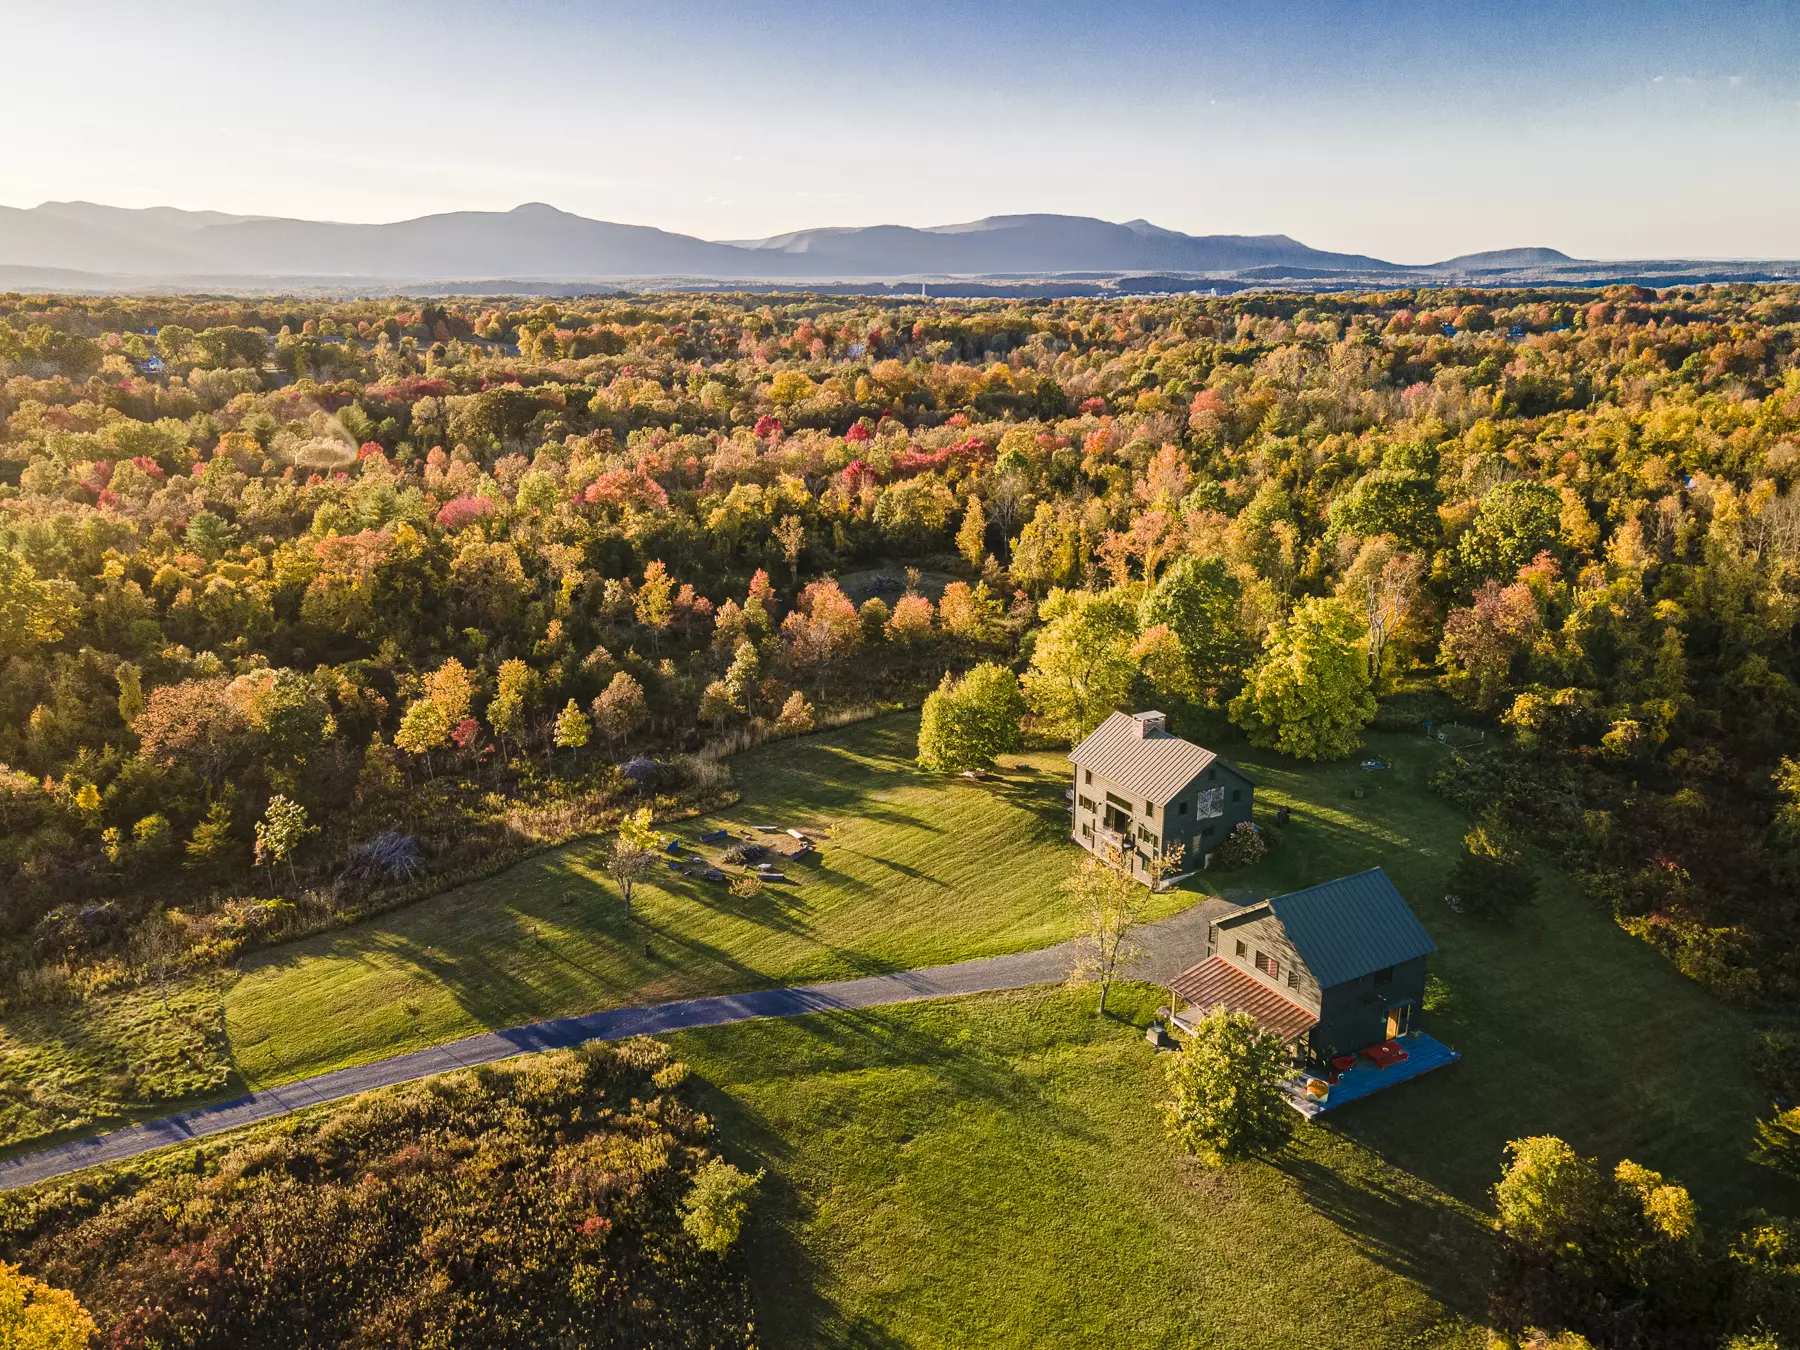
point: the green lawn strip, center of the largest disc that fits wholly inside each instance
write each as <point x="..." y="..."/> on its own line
<point x="993" y="1171"/>
<point x="912" y="871"/>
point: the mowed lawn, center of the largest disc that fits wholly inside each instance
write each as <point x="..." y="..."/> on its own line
<point x="912" y="870"/>
<point x="992" y="1171"/>
<point x="1567" y="1024"/>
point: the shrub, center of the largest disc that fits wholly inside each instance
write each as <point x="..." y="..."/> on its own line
<point x="534" y="1204"/>
<point x="1409" y="711"/>
<point x="714" y="1209"/>
<point x="1246" y="844"/>
<point x="653" y="775"/>
<point x="35" y="1316"/>
<point x="1492" y="876"/>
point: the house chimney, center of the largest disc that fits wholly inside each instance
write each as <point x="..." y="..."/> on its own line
<point x="1149" y="724"/>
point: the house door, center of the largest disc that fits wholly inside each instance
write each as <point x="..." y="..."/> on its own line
<point x="1399" y="1021"/>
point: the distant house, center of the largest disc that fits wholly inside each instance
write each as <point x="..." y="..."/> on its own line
<point x="1140" y="791"/>
<point x="1332" y="969"/>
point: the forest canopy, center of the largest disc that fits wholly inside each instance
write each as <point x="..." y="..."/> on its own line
<point x="307" y="605"/>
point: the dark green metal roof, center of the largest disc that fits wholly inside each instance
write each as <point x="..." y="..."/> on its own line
<point x="1352" y="927"/>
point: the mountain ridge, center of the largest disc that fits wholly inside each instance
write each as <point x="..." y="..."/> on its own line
<point x="536" y="239"/>
<point x="537" y="244"/>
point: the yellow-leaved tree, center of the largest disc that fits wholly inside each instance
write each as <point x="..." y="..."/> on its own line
<point x="38" y="1316"/>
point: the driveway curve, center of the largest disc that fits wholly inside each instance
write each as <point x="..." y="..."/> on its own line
<point x="1165" y="949"/>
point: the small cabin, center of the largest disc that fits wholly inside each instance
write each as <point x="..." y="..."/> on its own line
<point x="1140" y="791"/>
<point x="1332" y="969"/>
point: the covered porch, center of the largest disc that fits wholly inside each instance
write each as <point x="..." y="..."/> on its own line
<point x="1216" y="983"/>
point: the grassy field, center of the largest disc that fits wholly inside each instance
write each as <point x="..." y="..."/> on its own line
<point x="1568" y="1025"/>
<point x="992" y="1171"/>
<point x="912" y="871"/>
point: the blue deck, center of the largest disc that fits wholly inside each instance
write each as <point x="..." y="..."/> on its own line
<point x="1423" y="1055"/>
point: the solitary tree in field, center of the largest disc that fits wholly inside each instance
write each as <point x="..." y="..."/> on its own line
<point x="1108" y="905"/>
<point x="633" y="855"/>
<point x="713" y="1210"/>
<point x="967" y="723"/>
<point x="1225" y="1099"/>
<point x="1492" y="876"/>
<point x="571" y="728"/>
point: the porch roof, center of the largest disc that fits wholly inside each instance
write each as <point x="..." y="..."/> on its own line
<point x="1215" y="983"/>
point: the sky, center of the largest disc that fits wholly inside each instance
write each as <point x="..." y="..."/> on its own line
<point x="1412" y="130"/>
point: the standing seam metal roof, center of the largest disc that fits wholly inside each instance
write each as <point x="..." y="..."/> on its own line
<point x="1352" y="927"/>
<point x="1215" y="983"/>
<point x="1154" y="767"/>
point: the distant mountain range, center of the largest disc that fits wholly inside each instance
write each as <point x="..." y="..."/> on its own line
<point x="83" y="246"/>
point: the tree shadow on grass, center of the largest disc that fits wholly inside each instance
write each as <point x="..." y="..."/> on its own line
<point x="786" y="1279"/>
<point x="790" y="1282"/>
<point x="1439" y="1245"/>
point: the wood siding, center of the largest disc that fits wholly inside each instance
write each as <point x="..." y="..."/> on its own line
<point x="1261" y="931"/>
<point x="1353" y="1015"/>
<point x="1157" y="826"/>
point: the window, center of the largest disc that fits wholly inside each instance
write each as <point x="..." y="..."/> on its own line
<point x="1237" y="794"/>
<point x="1293" y="978"/>
<point x="1087" y="803"/>
<point x="1240" y="950"/>
<point x="1087" y="831"/>
<point x="1212" y="775"/>
<point x="1087" y="775"/>
<point x="1210" y="803"/>
<point x="1384" y="977"/>
<point x="1183" y="810"/>
<point x="1268" y="965"/>
<point x="1145" y="835"/>
<point x="1150" y="809"/>
<point x="1119" y="802"/>
<point x="1207" y="833"/>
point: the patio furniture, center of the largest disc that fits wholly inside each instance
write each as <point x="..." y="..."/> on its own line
<point x="1344" y="1063"/>
<point x="673" y="846"/>
<point x="714" y="836"/>
<point x="1386" y="1054"/>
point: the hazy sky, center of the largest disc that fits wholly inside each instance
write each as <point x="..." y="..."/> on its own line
<point x="1412" y="131"/>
